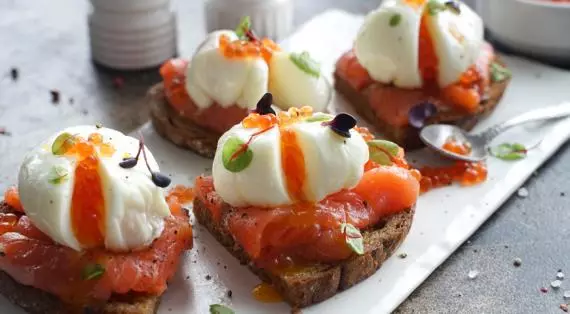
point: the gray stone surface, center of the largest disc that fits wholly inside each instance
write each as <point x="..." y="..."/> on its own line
<point x="47" y="41"/>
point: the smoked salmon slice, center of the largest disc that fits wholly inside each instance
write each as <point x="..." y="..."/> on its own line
<point x="215" y="118"/>
<point x="311" y="232"/>
<point x="88" y="277"/>
<point x="392" y="104"/>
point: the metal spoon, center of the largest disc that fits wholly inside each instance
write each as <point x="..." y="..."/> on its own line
<point x="436" y="135"/>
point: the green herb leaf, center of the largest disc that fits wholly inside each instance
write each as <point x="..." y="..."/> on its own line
<point x="220" y="309"/>
<point x="58" y="174"/>
<point x="381" y="151"/>
<point x="499" y="73"/>
<point x="62" y="143"/>
<point x="319" y="117"/>
<point x="353" y="237"/>
<point x="236" y="156"/>
<point x="508" y="151"/>
<point x="92" y="271"/>
<point x="242" y="28"/>
<point x="304" y="62"/>
<point x="395" y="19"/>
<point x="434" y="7"/>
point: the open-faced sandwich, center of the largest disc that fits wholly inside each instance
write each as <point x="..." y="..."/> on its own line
<point x="88" y="229"/>
<point x="201" y="98"/>
<point x="416" y="62"/>
<point x="312" y="204"/>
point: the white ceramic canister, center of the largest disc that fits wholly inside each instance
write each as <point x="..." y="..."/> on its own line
<point x="270" y="18"/>
<point x="132" y="34"/>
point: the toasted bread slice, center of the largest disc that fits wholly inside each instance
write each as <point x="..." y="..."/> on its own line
<point x="36" y="301"/>
<point x="408" y="136"/>
<point x="320" y="282"/>
<point x="177" y="129"/>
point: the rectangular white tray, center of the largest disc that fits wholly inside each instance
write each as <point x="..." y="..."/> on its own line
<point x="445" y="218"/>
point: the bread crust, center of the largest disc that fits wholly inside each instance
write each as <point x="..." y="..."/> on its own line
<point x="36" y="301"/>
<point x="408" y="136"/>
<point x="320" y="282"/>
<point x="178" y="129"/>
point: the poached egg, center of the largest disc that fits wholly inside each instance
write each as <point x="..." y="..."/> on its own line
<point x="85" y="199"/>
<point x="387" y="45"/>
<point x="301" y="161"/>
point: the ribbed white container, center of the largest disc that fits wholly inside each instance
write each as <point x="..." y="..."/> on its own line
<point x="270" y="18"/>
<point x="132" y="34"/>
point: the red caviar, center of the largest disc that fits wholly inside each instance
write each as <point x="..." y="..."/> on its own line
<point x="457" y="147"/>
<point x="177" y="197"/>
<point x="12" y="198"/>
<point x="464" y="173"/>
<point x="247" y="48"/>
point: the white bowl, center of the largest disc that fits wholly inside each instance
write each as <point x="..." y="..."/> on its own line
<point x="129" y="22"/>
<point x="128" y="5"/>
<point x="539" y="28"/>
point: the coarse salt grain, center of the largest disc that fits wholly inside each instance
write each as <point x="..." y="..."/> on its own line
<point x="566" y="295"/>
<point x="473" y="274"/>
<point x="560" y="275"/>
<point x="522" y="192"/>
<point x="556" y="284"/>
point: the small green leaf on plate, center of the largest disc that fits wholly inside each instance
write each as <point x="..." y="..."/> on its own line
<point x="434" y="7"/>
<point x="304" y="62"/>
<point x="58" y="174"/>
<point x="220" y="309"/>
<point x="319" y="117"/>
<point x="353" y="237"/>
<point x="395" y="19"/>
<point x="499" y="73"/>
<point x="509" y="151"/>
<point x="62" y="143"/>
<point x="236" y="155"/>
<point x="381" y="151"/>
<point x="242" y="28"/>
<point x="92" y="271"/>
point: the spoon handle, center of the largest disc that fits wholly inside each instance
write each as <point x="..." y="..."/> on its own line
<point x="547" y="113"/>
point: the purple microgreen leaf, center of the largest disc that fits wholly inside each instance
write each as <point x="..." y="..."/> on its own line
<point x="418" y="114"/>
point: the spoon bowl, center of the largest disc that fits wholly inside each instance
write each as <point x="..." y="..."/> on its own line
<point x="435" y="135"/>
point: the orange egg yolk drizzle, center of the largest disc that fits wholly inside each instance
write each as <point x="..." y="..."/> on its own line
<point x="292" y="159"/>
<point x="87" y="200"/>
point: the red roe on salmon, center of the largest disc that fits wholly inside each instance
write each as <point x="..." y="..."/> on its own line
<point x="216" y="118"/>
<point x="12" y="198"/>
<point x="32" y="258"/>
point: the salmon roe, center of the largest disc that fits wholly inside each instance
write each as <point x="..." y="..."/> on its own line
<point x="177" y="197"/>
<point x="457" y="147"/>
<point x="12" y="198"/>
<point x="464" y="173"/>
<point x="83" y="148"/>
<point x="283" y="118"/>
<point x="247" y="48"/>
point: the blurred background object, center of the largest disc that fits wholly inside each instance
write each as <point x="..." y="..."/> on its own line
<point x="535" y="28"/>
<point x="132" y="34"/>
<point x="270" y="18"/>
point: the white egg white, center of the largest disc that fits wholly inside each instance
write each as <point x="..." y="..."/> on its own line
<point x="293" y="87"/>
<point x="211" y="77"/>
<point x="332" y="163"/>
<point x="135" y="207"/>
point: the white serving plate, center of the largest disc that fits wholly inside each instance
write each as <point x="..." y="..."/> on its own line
<point x="445" y="218"/>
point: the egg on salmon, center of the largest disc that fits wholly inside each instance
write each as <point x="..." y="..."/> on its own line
<point x="212" y="77"/>
<point x="302" y="161"/>
<point x="85" y="199"/>
<point x="391" y="41"/>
